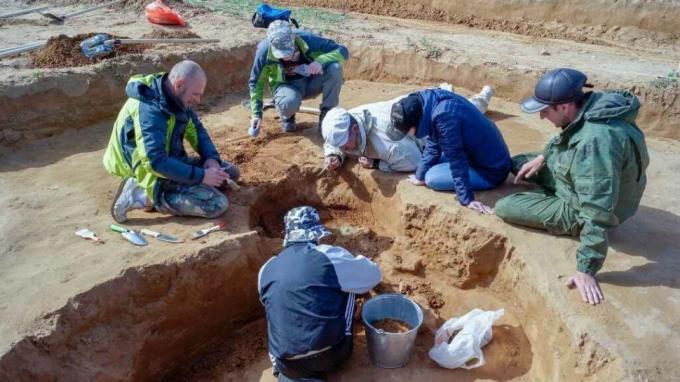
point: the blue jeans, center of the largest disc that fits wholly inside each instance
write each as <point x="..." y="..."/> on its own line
<point x="439" y="178"/>
<point x="288" y="96"/>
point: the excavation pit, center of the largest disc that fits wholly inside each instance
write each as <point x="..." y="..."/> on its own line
<point x="191" y="311"/>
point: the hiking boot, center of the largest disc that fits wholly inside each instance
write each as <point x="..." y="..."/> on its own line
<point x="124" y="200"/>
<point x="288" y="125"/>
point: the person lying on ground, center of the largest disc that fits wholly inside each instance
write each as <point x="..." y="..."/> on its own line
<point x="362" y="132"/>
<point x="592" y="175"/>
<point x="464" y="150"/>
<point x="308" y="291"/>
<point x="146" y="148"/>
<point x="296" y="65"/>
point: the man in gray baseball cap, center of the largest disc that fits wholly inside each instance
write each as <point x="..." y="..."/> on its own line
<point x="296" y="65"/>
<point x="591" y="176"/>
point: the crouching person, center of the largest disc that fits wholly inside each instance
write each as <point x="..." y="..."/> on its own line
<point x="308" y="292"/>
<point x="146" y="148"/>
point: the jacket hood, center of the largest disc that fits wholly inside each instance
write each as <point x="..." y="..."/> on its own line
<point x="149" y="89"/>
<point x="430" y="98"/>
<point x="616" y="104"/>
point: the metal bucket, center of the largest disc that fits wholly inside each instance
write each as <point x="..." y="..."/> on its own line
<point x="391" y="350"/>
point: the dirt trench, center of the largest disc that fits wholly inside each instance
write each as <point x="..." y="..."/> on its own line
<point x="200" y="319"/>
<point x="446" y="264"/>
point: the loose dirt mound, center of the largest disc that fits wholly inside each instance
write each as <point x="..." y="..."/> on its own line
<point x="63" y="52"/>
<point x="171" y="33"/>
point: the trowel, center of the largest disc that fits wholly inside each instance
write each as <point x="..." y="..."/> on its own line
<point x="202" y="232"/>
<point x="132" y="236"/>
<point x="161" y="236"/>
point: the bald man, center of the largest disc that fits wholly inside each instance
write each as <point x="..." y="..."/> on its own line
<point x="146" y="148"/>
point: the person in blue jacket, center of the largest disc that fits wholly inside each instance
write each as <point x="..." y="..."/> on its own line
<point x="308" y="292"/>
<point x="146" y="148"/>
<point x="296" y="65"/>
<point x="464" y="150"/>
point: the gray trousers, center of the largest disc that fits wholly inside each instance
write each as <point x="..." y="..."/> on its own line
<point x="194" y="200"/>
<point x="288" y="96"/>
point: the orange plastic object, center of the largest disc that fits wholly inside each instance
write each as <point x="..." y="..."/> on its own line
<point x="159" y="13"/>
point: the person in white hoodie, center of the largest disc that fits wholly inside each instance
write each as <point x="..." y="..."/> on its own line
<point x="361" y="132"/>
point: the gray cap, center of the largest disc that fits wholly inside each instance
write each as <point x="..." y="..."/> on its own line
<point x="556" y="87"/>
<point x="281" y="38"/>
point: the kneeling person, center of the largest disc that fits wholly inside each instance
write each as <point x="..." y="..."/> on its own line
<point x="146" y="148"/>
<point x="308" y="292"/>
<point x="464" y="150"/>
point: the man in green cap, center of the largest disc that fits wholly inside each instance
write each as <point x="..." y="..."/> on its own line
<point x="592" y="175"/>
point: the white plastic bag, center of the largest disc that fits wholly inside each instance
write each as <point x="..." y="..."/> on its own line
<point x="472" y="332"/>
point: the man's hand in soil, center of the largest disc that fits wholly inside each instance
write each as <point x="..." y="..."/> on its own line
<point x="587" y="286"/>
<point x="211" y="163"/>
<point x="332" y="163"/>
<point x="366" y="162"/>
<point x="412" y="178"/>
<point x="480" y="207"/>
<point x="214" y="176"/>
<point x="315" y="68"/>
<point x="530" y="168"/>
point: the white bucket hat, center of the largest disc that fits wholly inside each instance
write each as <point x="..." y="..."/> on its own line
<point x="335" y="127"/>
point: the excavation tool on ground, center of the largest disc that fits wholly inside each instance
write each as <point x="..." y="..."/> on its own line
<point x="202" y="232"/>
<point x="103" y="44"/>
<point x="60" y="19"/>
<point x="87" y="234"/>
<point x="269" y="104"/>
<point x="23" y="12"/>
<point x="132" y="236"/>
<point x="161" y="236"/>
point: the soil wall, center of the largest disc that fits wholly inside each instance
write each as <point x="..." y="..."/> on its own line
<point x="653" y="15"/>
<point x="73" y="98"/>
<point x="659" y="115"/>
<point x="137" y="326"/>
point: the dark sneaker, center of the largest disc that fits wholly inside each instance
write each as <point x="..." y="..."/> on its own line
<point x="288" y="125"/>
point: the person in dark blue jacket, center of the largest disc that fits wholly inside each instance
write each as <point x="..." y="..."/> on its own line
<point x="464" y="150"/>
<point x="308" y="292"/>
<point x="146" y="148"/>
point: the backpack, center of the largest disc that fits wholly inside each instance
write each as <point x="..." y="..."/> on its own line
<point x="265" y="14"/>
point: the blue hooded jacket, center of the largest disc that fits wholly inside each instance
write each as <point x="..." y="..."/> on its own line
<point x="459" y="134"/>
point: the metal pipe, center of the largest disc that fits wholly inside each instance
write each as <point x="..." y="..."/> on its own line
<point x="22" y="49"/>
<point x="161" y="41"/>
<point x="19" y="46"/>
<point x="23" y="12"/>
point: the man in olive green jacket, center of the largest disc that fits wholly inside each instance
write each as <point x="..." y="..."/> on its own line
<point x="592" y="175"/>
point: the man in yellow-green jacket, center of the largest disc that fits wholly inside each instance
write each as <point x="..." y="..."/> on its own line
<point x="592" y="175"/>
<point x="146" y="148"/>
